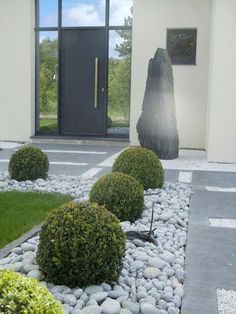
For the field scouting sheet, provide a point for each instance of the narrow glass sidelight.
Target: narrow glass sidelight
(48, 81)
(119, 81)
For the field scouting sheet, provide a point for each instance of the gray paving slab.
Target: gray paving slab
(210, 253)
(211, 257)
(199, 304)
(214, 178)
(171, 175)
(188, 311)
(105, 170)
(77, 158)
(205, 205)
(83, 147)
(200, 291)
(92, 160)
(68, 170)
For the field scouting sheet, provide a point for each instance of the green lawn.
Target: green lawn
(120, 123)
(48, 126)
(20, 211)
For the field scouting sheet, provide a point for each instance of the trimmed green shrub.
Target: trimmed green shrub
(28, 163)
(142, 164)
(19, 294)
(121, 194)
(81, 244)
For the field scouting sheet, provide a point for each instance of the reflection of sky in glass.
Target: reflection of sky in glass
(83, 12)
(50, 35)
(119, 10)
(48, 13)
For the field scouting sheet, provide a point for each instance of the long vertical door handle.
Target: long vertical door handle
(96, 83)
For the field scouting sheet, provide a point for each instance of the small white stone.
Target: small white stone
(17, 250)
(35, 274)
(29, 255)
(29, 267)
(168, 257)
(110, 306)
(166, 215)
(5, 261)
(66, 308)
(78, 292)
(131, 306)
(125, 311)
(93, 289)
(92, 309)
(99, 296)
(147, 308)
(137, 264)
(138, 242)
(151, 272)
(70, 299)
(106, 287)
(156, 262)
(28, 247)
(179, 290)
(15, 267)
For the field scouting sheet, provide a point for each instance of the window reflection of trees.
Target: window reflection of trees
(119, 79)
(48, 92)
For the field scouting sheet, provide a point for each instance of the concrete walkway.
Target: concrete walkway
(211, 251)
(74, 160)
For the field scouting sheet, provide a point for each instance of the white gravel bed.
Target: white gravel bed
(75, 186)
(226, 301)
(151, 281)
(222, 223)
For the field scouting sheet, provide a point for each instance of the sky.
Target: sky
(84, 13)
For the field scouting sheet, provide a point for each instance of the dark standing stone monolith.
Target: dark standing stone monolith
(156, 127)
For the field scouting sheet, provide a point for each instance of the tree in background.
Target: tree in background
(125, 48)
(120, 76)
(48, 83)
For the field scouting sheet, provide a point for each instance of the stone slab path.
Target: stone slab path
(211, 251)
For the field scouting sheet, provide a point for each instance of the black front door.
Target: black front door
(83, 82)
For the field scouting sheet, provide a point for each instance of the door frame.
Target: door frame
(60, 78)
(59, 29)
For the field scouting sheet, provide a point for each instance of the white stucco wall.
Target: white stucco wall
(222, 102)
(151, 19)
(16, 69)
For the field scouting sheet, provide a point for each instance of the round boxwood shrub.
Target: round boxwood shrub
(142, 164)
(119, 193)
(28, 163)
(19, 294)
(81, 244)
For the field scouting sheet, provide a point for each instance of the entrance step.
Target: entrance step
(103, 141)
